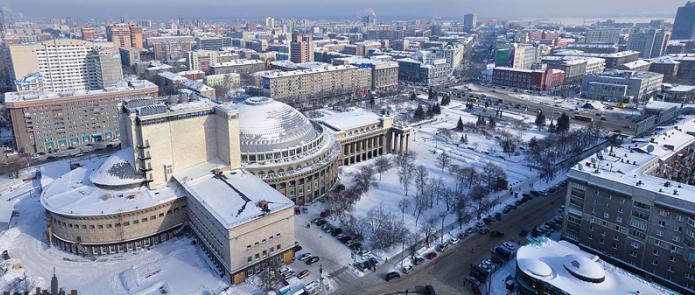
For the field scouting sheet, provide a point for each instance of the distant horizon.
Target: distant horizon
(385, 10)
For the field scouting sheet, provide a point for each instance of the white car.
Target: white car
(454, 240)
(407, 268)
(305, 256)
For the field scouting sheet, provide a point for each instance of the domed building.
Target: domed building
(231, 172)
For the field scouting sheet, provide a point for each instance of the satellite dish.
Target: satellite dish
(650, 148)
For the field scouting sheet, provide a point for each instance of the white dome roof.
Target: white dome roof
(534, 267)
(584, 268)
(266, 125)
(117, 170)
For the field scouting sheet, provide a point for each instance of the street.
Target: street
(447, 272)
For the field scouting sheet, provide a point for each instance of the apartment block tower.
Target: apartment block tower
(125, 35)
(64, 65)
(301, 48)
(684, 24)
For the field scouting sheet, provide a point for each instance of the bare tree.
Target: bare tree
(491, 173)
(443, 160)
(382, 165)
(421, 179)
(428, 229)
(405, 175)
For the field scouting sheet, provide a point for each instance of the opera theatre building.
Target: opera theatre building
(230, 173)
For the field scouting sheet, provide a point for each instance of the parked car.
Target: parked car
(336, 231)
(5, 255)
(392, 275)
(496, 234)
(407, 268)
(418, 260)
(284, 269)
(442, 247)
(297, 248)
(484, 230)
(303, 274)
(454, 240)
(363, 252)
(304, 256)
(289, 274)
(431, 255)
(345, 239)
(312, 260)
(470, 230)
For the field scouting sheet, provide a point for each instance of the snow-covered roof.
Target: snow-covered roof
(233, 197)
(341, 121)
(117, 170)
(118, 87)
(75, 194)
(629, 167)
(566, 267)
(308, 71)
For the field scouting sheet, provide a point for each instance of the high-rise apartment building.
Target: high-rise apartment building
(649, 42)
(469, 21)
(269, 23)
(301, 48)
(65, 65)
(633, 205)
(125, 35)
(684, 24)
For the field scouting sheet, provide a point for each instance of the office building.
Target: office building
(686, 67)
(621, 85)
(213, 43)
(649, 42)
(550, 267)
(610, 36)
(46, 121)
(684, 24)
(170, 48)
(83, 66)
(125, 35)
(316, 83)
(594, 47)
(665, 65)
(301, 48)
(469, 21)
(633, 205)
(518, 56)
(435, 72)
(641, 65)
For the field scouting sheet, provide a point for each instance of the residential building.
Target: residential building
(47, 121)
(316, 83)
(686, 67)
(613, 60)
(384, 72)
(88, 33)
(684, 24)
(621, 85)
(550, 267)
(641, 65)
(435, 72)
(130, 56)
(594, 47)
(125, 35)
(238, 66)
(84, 65)
(665, 65)
(170, 48)
(518, 56)
(633, 205)
(202, 59)
(170, 83)
(301, 48)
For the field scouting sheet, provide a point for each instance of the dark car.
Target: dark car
(312, 260)
(392, 275)
(344, 239)
(297, 248)
(320, 222)
(336, 231)
(418, 260)
(431, 255)
(496, 234)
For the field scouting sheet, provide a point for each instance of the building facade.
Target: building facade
(638, 210)
(125, 35)
(684, 24)
(537, 80)
(238, 66)
(66, 65)
(49, 122)
(649, 42)
(170, 48)
(621, 85)
(301, 48)
(316, 83)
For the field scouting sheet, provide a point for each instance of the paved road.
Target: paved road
(446, 273)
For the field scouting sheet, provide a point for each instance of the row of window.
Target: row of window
(118, 224)
(262, 242)
(262, 254)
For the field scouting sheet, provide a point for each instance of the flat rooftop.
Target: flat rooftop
(308, 71)
(118, 87)
(340, 121)
(232, 197)
(566, 267)
(632, 163)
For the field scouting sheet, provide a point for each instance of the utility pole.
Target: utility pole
(441, 240)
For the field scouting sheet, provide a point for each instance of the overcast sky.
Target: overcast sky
(342, 9)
